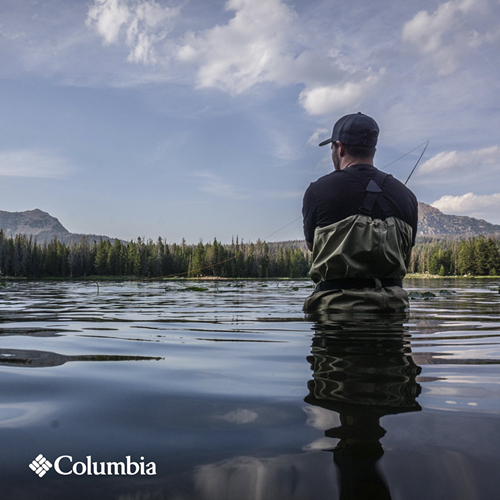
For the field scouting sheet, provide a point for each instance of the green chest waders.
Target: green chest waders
(359, 262)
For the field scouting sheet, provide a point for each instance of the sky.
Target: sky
(201, 118)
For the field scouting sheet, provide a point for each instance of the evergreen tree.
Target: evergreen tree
(198, 261)
(493, 258)
(480, 256)
(101, 257)
(465, 260)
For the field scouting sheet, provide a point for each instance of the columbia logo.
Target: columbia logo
(40, 465)
(64, 466)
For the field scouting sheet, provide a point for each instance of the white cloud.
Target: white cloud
(240, 416)
(283, 148)
(33, 163)
(334, 98)
(454, 161)
(108, 17)
(246, 50)
(143, 22)
(480, 206)
(319, 418)
(445, 36)
(324, 443)
(281, 194)
(214, 185)
(325, 165)
(262, 42)
(317, 136)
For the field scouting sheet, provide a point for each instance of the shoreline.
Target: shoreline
(4, 279)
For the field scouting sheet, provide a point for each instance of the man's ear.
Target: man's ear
(341, 149)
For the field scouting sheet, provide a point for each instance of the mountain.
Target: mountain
(32, 222)
(432, 222)
(42, 226)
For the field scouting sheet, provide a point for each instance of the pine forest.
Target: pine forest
(22, 256)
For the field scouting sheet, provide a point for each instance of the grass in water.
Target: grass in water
(196, 289)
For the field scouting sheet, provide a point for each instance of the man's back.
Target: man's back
(339, 195)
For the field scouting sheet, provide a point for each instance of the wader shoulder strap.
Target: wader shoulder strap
(373, 189)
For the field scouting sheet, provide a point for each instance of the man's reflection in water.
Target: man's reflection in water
(363, 370)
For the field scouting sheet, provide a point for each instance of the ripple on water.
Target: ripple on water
(231, 383)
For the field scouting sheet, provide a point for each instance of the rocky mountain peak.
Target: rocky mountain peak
(432, 222)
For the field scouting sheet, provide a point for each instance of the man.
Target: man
(360, 224)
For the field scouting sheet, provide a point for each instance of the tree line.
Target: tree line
(476, 256)
(22, 256)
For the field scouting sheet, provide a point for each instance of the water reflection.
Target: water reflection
(38, 359)
(363, 370)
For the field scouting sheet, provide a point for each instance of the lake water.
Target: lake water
(231, 393)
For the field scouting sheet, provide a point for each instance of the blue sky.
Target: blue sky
(201, 119)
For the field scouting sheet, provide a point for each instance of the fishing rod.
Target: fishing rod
(418, 161)
(217, 263)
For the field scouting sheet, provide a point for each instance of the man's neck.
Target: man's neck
(355, 161)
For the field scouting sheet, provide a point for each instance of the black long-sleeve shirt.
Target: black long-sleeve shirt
(339, 194)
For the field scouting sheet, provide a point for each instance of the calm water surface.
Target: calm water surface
(234, 394)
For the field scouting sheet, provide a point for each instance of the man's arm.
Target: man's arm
(414, 226)
(408, 260)
(309, 217)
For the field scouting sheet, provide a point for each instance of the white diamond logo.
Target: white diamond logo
(40, 465)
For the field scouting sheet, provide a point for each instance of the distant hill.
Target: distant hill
(42, 226)
(432, 222)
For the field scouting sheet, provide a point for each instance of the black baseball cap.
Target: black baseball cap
(355, 130)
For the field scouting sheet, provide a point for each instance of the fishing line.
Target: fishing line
(283, 227)
(406, 154)
(217, 263)
(295, 220)
(192, 270)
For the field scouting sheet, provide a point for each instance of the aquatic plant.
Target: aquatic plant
(421, 295)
